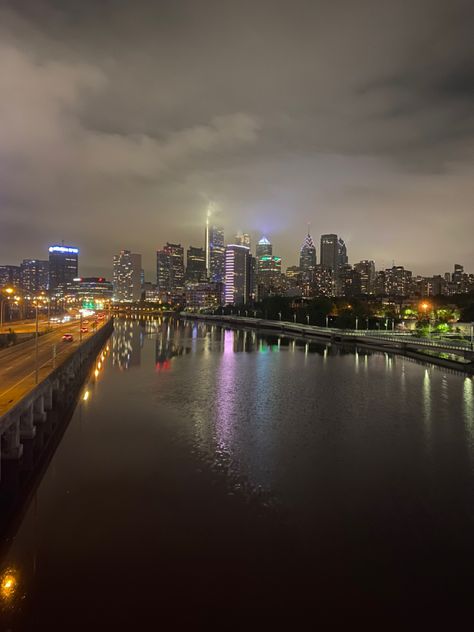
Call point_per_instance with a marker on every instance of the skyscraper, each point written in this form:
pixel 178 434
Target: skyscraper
pixel 329 251
pixel 237 274
pixel 342 258
pixel 170 269
pixel 366 271
pixel 242 239
pixel 195 264
pixel 34 275
pixel 215 253
pixel 127 277
pixel 308 254
pixel 63 266
pixel 264 247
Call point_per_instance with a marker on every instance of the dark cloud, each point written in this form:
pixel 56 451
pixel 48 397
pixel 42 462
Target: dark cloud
pixel 121 120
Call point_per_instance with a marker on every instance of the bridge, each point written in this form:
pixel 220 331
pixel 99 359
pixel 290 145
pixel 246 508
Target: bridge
pixel 35 374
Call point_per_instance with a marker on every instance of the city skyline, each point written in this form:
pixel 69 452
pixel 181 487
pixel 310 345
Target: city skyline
pixel 317 119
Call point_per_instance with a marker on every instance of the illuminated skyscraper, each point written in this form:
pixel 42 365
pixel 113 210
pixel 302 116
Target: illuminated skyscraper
pixel 308 254
pixel 127 277
pixel 237 275
pixel 195 264
pixel 215 253
pixel 170 269
pixel 366 270
pixel 264 247
pixel 63 266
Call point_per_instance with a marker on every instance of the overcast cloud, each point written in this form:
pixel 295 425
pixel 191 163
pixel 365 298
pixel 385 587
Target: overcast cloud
pixel 120 121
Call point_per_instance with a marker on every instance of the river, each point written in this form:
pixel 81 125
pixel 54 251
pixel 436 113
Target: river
pixel 212 477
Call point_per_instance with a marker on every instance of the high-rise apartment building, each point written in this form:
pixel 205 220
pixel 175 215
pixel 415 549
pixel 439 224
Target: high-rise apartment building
pixel 170 270
pixel 237 275
pixel 34 275
pixel 127 277
pixel 63 266
pixel 195 264
pixel 366 271
pixel 9 275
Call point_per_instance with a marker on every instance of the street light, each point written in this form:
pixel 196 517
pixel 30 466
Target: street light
pixel 279 315
pixel 327 321
pixel 294 317
pixel 357 323
pixel 9 291
pixel 307 319
pixel 36 344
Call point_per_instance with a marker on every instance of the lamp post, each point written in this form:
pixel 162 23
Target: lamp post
pixel 367 323
pixel 327 321
pixel 307 319
pixel 357 323
pixel 279 315
pixel 294 317
pixel 9 291
pixel 36 344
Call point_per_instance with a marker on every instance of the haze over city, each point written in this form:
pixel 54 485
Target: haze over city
pixel 122 121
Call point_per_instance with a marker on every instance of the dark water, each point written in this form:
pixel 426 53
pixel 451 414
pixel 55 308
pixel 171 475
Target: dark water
pixel 212 478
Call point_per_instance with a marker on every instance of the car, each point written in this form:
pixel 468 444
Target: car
pixel 84 330
pixel 68 338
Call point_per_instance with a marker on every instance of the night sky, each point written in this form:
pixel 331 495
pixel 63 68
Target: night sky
pixel 120 121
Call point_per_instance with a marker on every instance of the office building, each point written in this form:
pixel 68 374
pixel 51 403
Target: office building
pixel 308 255
pixel 195 264
pixel 329 252
pixel 237 275
pixel 127 277
pixel 203 295
pixel 215 253
pixel 63 267
pixel 242 239
pixel 342 258
pixel 91 292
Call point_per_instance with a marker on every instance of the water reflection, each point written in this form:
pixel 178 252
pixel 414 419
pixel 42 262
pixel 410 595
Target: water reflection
pixel 127 343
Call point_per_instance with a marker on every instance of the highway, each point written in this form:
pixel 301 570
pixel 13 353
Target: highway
pixel 28 326
pixel 17 363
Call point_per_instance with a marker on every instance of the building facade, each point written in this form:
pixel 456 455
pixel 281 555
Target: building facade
pixel 63 267
pixel 215 253
pixel 237 275
pixel 34 276
pixel 170 270
pixel 127 286
pixel 195 264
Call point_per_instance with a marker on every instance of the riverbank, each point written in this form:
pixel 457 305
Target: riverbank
pixel 448 355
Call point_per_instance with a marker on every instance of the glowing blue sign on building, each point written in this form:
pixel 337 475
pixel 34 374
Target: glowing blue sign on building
pixel 64 249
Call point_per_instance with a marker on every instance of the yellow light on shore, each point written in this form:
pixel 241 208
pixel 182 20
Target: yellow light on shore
pixel 96 373
pixel 8 584
pixel 86 396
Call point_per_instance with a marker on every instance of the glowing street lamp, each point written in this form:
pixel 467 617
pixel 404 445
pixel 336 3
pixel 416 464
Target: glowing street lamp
pixel 8 291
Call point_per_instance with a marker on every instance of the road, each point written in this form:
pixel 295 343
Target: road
pixel 17 363
pixel 27 326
